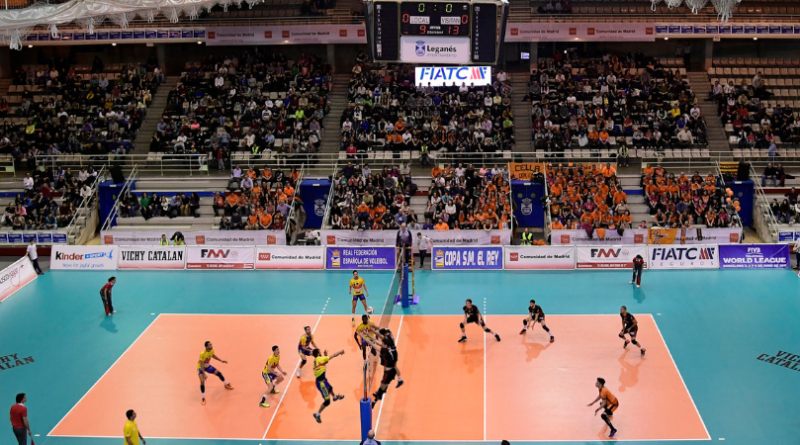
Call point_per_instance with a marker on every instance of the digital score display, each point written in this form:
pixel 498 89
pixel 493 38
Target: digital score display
pixel 386 38
pixel 435 19
pixel 484 33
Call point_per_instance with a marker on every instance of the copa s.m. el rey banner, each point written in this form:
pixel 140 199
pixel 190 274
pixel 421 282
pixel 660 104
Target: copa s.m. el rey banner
pixel 467 258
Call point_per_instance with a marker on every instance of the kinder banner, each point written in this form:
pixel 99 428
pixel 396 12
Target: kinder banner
pixel 754 256
pixel 599 237
pixel 84 257
pixel 610 257
pixel 467 258
pixel 15 277
pixel 438 237
pixel 728 235
pixel 700 256
pixel 524 171
pixel 198 238
pixel 220 258
pixel 347 258
pixel 295 257
pixel 540 257
pixel 160 257
pixel 285 35
pixel 593 32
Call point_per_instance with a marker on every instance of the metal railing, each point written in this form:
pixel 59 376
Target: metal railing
pixel 160 163
pixel 292 204
pixel 331 195
pixel 126 188
pixel 721 176
pixel 764 221
pixel 85 205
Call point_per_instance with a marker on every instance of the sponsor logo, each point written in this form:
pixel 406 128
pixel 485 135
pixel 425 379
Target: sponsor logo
pixel 438 258
pixel 272 239
pixel 609 253
pixel 514 256
pixel 12 275
pixel 638 238
pixel 108 239
pixel 734 238
pixel 85 256
pixel 564 239
pixel 13 361
pixel 362 32
pixel 527 206
pixel 286 34
pixel 212 35
pixel 264 256
pixel 267 34
pixel 683 256
pixel 419 48
pixel 648 31
pixel 319 207
pixel 218 253
pixel 331 239
pixel 573 31
pixel 514 31
pixel 336 258
pixel 495 239
pixel 342 33
pixel 783 359
pixel 590 31
pixel 200 239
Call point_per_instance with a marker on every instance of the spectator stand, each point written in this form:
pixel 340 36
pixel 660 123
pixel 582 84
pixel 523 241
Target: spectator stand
pixel 151 163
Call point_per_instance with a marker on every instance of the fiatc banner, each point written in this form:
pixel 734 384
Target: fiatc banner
pixel 294 257
pixel 438 237
pixel 727 235
pixel 467 258
pixel 84 257
pixel 540 257
pixel 754 256
pixel 346 258
pixel 698 256
pixel 159 257
pixel 198 238
pixel 220 258
pixel 609 257
pixel 439 76
pixel 15 277
pixel 599 237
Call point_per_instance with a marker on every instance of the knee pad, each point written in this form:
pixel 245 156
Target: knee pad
pixel 604 417
pixel 487 330
pixel 203 388
pixel 633 340
pixel 303 362
pixel 621 335
pixel 328 402
pixel 461 325
pixel 525 322
pixel 483 324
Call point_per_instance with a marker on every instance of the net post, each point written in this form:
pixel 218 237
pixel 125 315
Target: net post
pixel 404 287
pixel 366 405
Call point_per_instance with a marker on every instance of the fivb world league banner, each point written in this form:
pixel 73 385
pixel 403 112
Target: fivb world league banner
pixel 347 258
pixel 726 235
pixel 438 237
pixel 599 237
pixel 467 258
pixel 754 256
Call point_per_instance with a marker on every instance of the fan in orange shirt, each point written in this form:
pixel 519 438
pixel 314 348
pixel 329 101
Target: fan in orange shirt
pixel 440 225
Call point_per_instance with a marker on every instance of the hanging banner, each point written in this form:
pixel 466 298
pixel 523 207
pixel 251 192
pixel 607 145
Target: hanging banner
pixel 440 76
pixel 727 235
pixel 570 32
pixel 84 257
pixel 609 257
pixel 159 257
pixel 347 258
pixel 467 258
pixel 699 256
pixel 754 256
pixel 438 237
pixel 539 257
pixel 529 209
pixel 198 238
pixel 16 276
pixel 599 237
pixel 220 258
pixel 434 49
pixel 290 257
pixel 285 35
pixel 525 171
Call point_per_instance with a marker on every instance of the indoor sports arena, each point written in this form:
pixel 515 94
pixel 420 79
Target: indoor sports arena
pixel 285 222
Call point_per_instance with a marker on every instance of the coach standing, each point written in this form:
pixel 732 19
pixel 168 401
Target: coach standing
pixel 105 294
pixel 34 257
pixel 404 241
pixel 19 420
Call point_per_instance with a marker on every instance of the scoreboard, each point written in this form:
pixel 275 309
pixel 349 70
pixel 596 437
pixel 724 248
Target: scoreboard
pixel 436 31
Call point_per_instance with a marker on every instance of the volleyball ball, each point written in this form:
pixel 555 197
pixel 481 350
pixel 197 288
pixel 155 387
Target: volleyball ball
pixel 370 310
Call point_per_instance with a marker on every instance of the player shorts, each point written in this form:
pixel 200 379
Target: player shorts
pixel 540 318
pixel 209 369
pixel 303 351
pixel 609 410
pixel 267 378
pixel 475 320
pixel 389 374
pixel 358 297
pixel 324 387
pixel 633 331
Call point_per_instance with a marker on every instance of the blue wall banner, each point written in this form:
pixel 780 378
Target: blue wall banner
pixel 527 196
pixel 348 258
pixel 744 192
pixel 754 256
pixel 467 258
pixel 314 194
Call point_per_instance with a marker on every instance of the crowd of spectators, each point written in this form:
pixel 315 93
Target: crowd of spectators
pixel 611 102
pixel 555 7
pixel 387 111
pixel 258 102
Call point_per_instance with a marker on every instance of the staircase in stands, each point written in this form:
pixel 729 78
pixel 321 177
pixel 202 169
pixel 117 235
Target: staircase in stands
pixel 717 139
pixel 337 99
pixel 522 112
pixel 154 113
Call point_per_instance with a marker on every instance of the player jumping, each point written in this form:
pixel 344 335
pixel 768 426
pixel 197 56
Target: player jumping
pixel 473 315
pixel 358 288
pixel 203 368
pixel 608 403
pixel 325 388
pixel 304 348
pixel 365 335
pixel 535 314
pixel 389 361
pixel 270 374
pixel 631 327
pixel 638 265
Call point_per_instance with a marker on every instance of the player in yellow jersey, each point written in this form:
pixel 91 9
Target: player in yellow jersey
pixel 358 288
pixel 365 335
pixel 320 368
pixel 204 367
pixel 270 374
pixel 304 348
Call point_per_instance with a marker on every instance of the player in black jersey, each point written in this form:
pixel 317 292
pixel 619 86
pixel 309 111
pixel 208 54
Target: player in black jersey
pixel 535 313
pixel 629 326
pixel 473 315
pixel 389 359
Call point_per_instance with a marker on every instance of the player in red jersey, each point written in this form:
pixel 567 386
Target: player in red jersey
pixel 638 266
pixel 105 295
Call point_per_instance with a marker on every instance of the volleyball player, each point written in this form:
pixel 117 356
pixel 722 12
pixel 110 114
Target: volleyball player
pixel 365 335
pixel 325 388
pixel 304 348
pixel 638 266
pixel 631 327
pixel 535 313
pixel 389 361
pixel 387 338
pixel 608 403
pixel 358 288
pixel 203 368
pixel 473 315
pixel 386 333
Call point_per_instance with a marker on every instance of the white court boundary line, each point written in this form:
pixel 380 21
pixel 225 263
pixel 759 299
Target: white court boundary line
pixel 101 378
pixel 399 441
pixel 484 369
pixel 378 420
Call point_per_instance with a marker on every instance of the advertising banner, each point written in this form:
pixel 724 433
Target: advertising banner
pixel 599 237
pixel 524 171
pixel 698 256
pixel 754 256
pixel 540 257
pixel 285 35
pixel 434 49
pixel 347 258
pixel 294 257
pixel 727 235
pixel 467 258
pixel 147 257
pixel 84 257
pixel 198 238
pixel 610 257
pixel 592 32
pixel 15 277
pixel 439 76
pixel 438 237
pixel 220 258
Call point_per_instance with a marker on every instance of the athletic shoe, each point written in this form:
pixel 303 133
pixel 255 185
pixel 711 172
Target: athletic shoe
pixel 462 339
pixel 637 286
pixel 631 282
pixel 643 351
pixel 373 403
pixel 353 321
pixel 522 332
pixel 275 391
pixel 626 344
pixel 317 418
pixel 338 397
pixel 298 373
pixel 497 337
pixel 399 384
pixel 264 405
pixel 204 401
pixel 552 339
pixel 228 386
pixel 611 434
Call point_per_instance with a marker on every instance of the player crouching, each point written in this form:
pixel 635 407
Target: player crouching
pixel 473 315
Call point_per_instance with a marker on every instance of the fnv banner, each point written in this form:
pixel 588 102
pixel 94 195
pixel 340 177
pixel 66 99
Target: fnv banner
pixel 438 237
pixel 285 35
pixel 290 257
pixel 220 258
pixel 569 32
pixel 699 256
pixel 84 257
pixel 438 76
pixel 754 256
pixel 609 257
pixel 598 237
pixel 727 235
pixel 346 258
pixel 198 238
pixel 15 277
pixel 147 257
pixel 539 257
pixel 467 258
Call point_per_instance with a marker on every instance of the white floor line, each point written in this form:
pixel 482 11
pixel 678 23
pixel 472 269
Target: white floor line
pixel 484 371
pixel 391 441
pixel 397 342
pixel 104 374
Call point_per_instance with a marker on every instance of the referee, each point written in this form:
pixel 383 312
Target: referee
pixel 638 266
pixel 404 240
